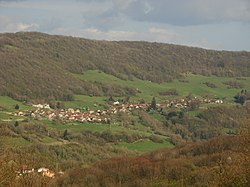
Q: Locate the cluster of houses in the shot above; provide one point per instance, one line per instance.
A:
(75, 115)
(184, 103)
(45, 172)
(103, 116)
(68, 115)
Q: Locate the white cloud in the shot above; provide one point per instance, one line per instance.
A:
(26, 27)
(8, 24)
(107, 35)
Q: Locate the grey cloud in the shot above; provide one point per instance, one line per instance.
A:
(173, 12)
(192, 12)
(11, 0)
(92, 1)
(105, 21)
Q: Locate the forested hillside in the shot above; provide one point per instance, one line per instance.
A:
(36, 65)
(223, 161)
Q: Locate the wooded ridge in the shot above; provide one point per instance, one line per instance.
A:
(37, 65)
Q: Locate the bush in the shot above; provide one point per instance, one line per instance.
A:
(210, 84)
(233, 84)
(155, 139)
(168, 92)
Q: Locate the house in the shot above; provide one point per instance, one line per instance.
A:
(46, 172)
(46, 106)
(71, 110)
(20, 114)
(38, 106)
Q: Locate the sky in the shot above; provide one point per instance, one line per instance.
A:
(210, 24)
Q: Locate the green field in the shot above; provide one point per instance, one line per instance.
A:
(84, 101)
(194, 84)
(8, 104)
(115, 128)
(144, 145)
(77, 127)
(13, 141)
(4, 115)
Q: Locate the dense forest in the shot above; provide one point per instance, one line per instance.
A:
(36, 65)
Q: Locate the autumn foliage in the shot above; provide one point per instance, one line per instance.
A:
(222, 161)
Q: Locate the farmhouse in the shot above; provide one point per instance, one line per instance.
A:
(46, 172)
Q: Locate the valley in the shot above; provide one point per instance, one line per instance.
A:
(153, 113)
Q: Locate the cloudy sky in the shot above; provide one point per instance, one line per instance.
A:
(213, 24)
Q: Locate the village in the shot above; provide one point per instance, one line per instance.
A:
(43, 111)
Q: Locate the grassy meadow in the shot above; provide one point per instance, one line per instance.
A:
(144, 145)
(192, 84)
(8, 104)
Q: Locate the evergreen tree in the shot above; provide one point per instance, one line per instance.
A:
(181, 115)
(16, 124)
(17, 107)
(240, 99)
(153, 104)
(65, 135)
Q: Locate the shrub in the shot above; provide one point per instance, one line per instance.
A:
(168, 92)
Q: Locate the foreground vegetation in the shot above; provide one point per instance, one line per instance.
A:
(223, 161)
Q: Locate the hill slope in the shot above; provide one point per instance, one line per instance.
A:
(223, 161)
(37, 65)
